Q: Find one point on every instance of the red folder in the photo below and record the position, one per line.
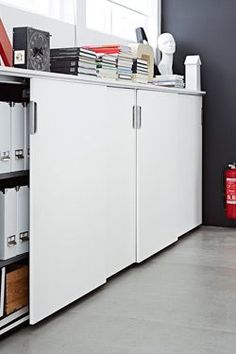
(107, 48)
(5, 46)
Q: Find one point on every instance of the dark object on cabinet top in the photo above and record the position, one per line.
(31, 49)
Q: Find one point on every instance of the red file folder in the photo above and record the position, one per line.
(5, 46)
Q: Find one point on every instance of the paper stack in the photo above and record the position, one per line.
(124, 63)
(169, 81)
(123, 57)
(140, 70)
(87, 62)
(106, 66)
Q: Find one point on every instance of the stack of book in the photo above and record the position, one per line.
(124, 63)
(73, 61)
(169, 81)
(123, 57)
(106, 66)
(140, 70)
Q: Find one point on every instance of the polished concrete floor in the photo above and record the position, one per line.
(180, 301)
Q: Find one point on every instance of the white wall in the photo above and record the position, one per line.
(63, 34)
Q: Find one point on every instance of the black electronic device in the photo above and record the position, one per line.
(141, 35)
(31, 49)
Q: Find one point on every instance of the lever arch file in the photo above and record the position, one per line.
(5, 134)
(23, 220)
(8, 224)
(17, 137)
(26, 138)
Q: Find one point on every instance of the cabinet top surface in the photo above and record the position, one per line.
(8, 73)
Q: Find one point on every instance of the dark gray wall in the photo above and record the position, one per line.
(208, 28)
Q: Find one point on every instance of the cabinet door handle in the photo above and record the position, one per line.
(139, 120)
(33, 117)
(133, 117)
(137, 117)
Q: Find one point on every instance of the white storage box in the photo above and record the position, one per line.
(23, 220)
(8, 224)
(5, 137)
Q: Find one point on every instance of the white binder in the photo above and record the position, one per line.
(26, 138)
(8, 224)
(17, 137)
(22, 220)
(5, 134)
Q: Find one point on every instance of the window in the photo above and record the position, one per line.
(100, 21)
(121, 17)
(63, 10)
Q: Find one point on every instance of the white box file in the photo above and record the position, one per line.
(5, 135)
(17, 137)
(22, 220)
(26, 137)
(8, 224)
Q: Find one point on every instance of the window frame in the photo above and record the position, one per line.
(85, 35)
(25, 9)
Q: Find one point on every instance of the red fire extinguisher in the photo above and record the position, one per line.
(230, 191)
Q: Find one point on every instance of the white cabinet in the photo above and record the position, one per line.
(169, 169)
(119, 191)
(115, 177)
(103, 194)
(67, 248)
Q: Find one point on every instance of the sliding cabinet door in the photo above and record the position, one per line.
(120, 186)
(67, 223)
(157, 173)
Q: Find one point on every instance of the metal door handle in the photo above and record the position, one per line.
(33, 117)
(134, 117)
(137, 117)
(139, 123)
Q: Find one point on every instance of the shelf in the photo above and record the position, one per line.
(13, 179)
(13, 260)
(5, 79)
(12, 92)
(13, 316)
(14, 324)
(30, 74)
(4, 176)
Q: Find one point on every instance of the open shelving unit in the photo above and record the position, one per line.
(12, 90)
(12, 260)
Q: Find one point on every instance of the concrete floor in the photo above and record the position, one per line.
(180, 301)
